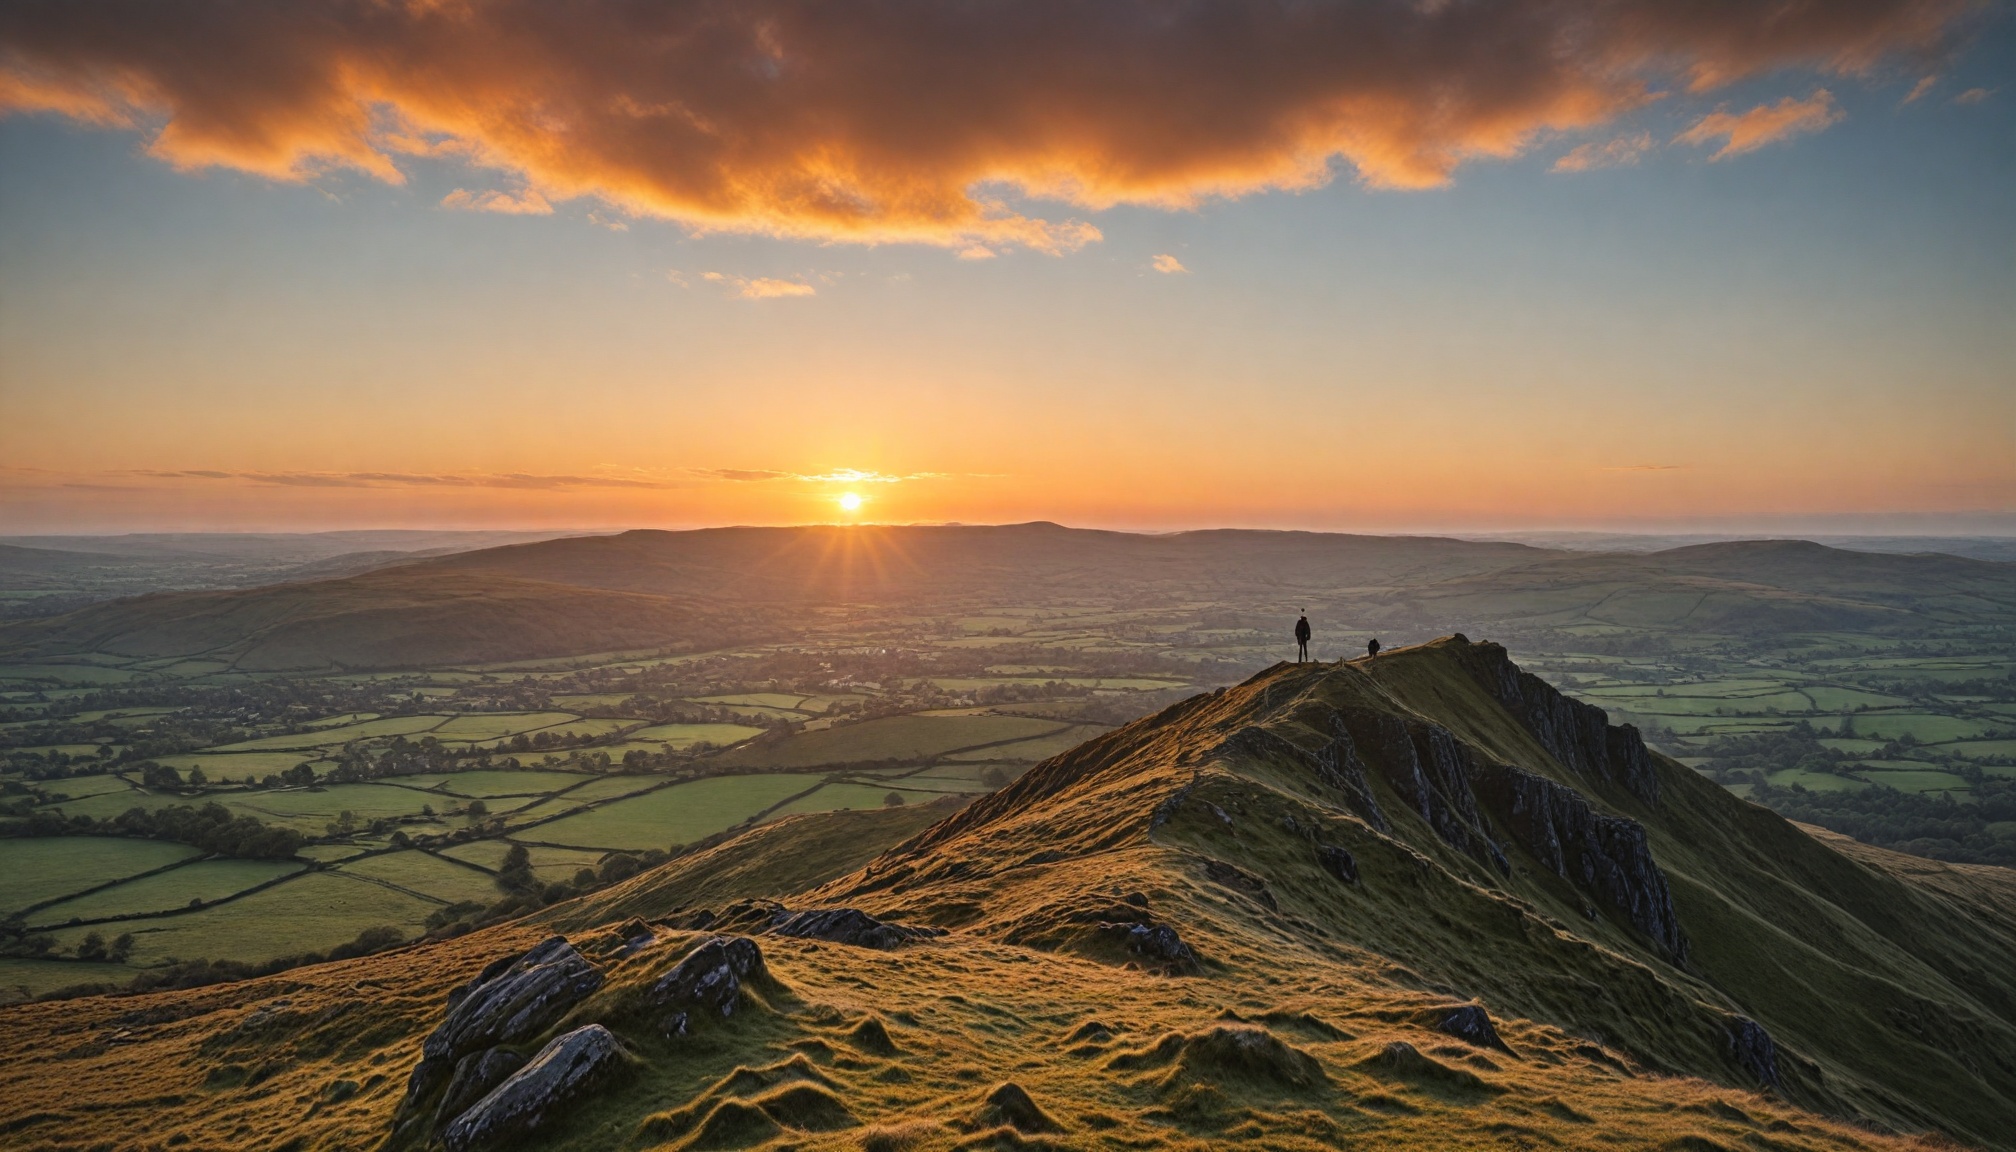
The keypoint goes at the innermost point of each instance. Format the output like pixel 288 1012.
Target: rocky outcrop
pixel 707 981
pixel 1607 857
pixel 513 999
pixel 1578 735
pixel 1751 1048
pixel 1430 770
pixel 475 1076
pixel 1157 945
pixel 1338 862
pixel 1336 763
pixel 847 926
pixel 1472 1025
pixel 514 1002
pixel 569 1067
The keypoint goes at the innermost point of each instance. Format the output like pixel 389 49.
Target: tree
pixel 122 947
pixel 196 775
pixel 515 874
pixel 92 947
pixel 893 800
pixel 300 775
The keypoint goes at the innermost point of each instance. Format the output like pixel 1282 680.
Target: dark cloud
pixel 922 120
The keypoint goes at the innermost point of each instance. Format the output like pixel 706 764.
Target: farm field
pixel 204 881
pixel 894 738
pixel 46 867
pixel 680 814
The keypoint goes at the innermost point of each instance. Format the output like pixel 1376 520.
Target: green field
pixel 834 796
pixel 205 880
pixel 892 738
pixel 491 725
pixel 23 979
pixel 488 783
pixel 45 867
pixel 80 787
pixel 235 766
pixel 677 815
pixel 336 737
pixel 427 875
pixel 312 912
pixel 687 735
pixel 1036 748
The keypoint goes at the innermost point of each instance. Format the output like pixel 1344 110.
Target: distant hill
pixel 874 564
pixel 385 619
pixel 1737 587
pixel 650 589
pixel 1421 902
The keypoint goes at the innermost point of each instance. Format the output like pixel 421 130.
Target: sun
pixel 850 502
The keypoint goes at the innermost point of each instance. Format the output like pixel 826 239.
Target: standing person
pixel 1372 649
pixel 1301 639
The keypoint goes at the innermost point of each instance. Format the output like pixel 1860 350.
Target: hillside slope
pixel 384 619
pixel 1267 915
pixel 1740 587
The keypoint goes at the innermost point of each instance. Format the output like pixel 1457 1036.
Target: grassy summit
pixel 1252 918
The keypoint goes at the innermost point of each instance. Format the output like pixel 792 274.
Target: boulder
pixel 428 1076
pixel 1338 862
pixel 1472 1025
pixel 475 1076
pixel 707 980
pixel 569 1067
pixel 846 926
pixel 524 999
pixel 1157 943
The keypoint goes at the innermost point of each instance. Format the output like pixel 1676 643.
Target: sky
pixel 1377 266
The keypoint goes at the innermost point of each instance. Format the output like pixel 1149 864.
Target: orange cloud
pixel 760 287
pixel 1623 150
pixel 1167 265
pixel 527 203
pixel 1764 124
pixel 903 120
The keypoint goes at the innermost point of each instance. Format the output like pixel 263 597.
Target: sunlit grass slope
pixel 1884 980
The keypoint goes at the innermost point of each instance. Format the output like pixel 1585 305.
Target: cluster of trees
pixel 1937 827
pixel 210 827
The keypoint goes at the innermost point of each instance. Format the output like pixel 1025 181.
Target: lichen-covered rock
pixel 1158 944
pixel 518 1002
pixel 475 1075
pixel 707 980
pixel 846 926
pixel 1472 1025
pixel 568 1068
pixel 1752 1049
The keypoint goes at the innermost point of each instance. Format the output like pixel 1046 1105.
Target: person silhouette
pixel 1301 639
pixel 1372 649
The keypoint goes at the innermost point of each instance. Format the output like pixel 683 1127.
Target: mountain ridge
pixel 1423 900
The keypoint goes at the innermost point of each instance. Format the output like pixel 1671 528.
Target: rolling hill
pixel 1423 901
pixel 384 619
pixel 647 589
